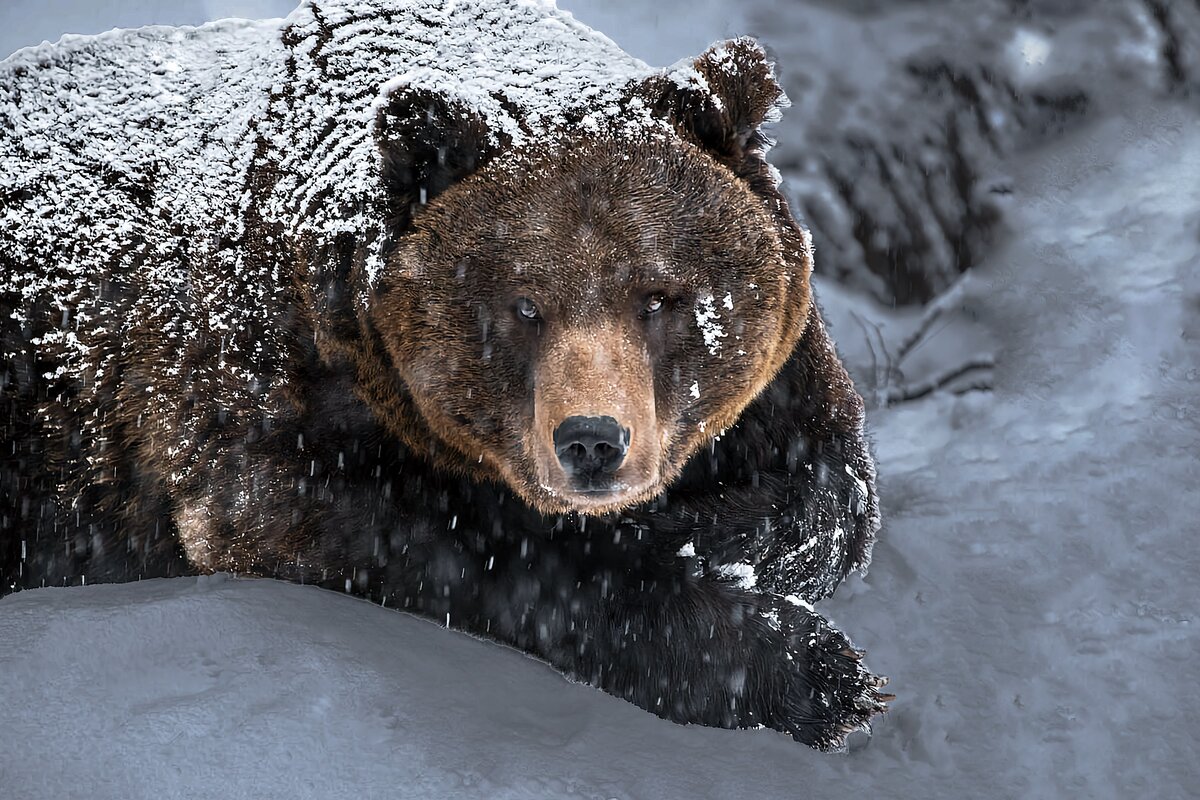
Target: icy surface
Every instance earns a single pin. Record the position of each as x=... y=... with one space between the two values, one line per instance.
x=1033 y=597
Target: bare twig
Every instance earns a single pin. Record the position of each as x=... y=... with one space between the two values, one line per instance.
x=926 y=387
x=982 y=385
x=876 y=385
x=891 y=366
x=933 y=312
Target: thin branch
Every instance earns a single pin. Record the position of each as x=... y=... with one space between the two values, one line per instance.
x=874 y=361
x=934 y=311
x=889 y=364
x=919 y=390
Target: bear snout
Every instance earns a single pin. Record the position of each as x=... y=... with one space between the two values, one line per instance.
x=594 y=445
x=590 y=450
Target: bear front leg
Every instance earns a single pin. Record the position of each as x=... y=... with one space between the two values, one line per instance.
x=789 y=490
x=699 y=650
x=643 y=626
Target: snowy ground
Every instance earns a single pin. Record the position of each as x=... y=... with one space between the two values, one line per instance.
x=1033 y=597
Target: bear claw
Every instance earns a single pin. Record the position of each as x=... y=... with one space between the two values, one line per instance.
x=830 y=694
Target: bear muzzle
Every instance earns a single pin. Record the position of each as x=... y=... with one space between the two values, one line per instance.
x=595 y=434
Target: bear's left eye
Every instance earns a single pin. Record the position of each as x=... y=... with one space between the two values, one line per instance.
x=528 y=309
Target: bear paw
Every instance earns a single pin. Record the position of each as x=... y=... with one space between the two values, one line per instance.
x=828 y=692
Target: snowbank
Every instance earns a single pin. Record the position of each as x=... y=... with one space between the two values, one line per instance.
x=251 y=688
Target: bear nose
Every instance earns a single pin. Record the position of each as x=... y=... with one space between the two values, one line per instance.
x=590 y=448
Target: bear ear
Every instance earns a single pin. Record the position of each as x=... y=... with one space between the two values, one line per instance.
x=723 y=100
x=426 y=144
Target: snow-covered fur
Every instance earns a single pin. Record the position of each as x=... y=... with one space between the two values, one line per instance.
x=244 y=322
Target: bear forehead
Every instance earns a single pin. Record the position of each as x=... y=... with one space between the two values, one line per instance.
x=608 y=211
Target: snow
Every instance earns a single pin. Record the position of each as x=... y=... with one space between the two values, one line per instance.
x=741 y=575
x=1030 y=50
x=708 y=322
x=1032 y=597
x=246 y=688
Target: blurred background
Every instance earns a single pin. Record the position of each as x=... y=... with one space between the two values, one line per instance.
x=1005 y=201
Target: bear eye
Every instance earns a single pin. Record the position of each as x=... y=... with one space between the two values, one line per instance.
x=528 y=309
x=654 y=304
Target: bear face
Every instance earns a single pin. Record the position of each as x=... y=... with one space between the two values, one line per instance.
x=612 y=300
x=613 y=309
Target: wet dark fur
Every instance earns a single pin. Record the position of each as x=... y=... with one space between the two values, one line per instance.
x=605 y=599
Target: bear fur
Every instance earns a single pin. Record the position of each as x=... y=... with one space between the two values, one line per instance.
x=311 y=302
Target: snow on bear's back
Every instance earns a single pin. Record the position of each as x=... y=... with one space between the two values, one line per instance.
x=136 y=106
x=113 y=147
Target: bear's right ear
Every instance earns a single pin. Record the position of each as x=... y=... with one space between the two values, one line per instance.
x=427 y=144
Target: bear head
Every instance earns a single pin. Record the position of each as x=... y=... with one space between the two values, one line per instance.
x=576 y=318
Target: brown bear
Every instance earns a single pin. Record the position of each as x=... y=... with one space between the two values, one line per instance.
x=451 y=305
